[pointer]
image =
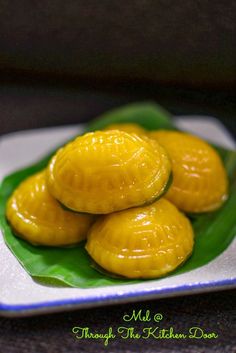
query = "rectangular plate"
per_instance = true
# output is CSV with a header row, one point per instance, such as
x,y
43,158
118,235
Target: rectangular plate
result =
x,y
21,295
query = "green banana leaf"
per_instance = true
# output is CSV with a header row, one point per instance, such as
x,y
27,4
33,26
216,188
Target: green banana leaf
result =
x,y
72,266
149,115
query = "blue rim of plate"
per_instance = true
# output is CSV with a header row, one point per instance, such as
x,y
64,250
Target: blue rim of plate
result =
x,y
37,308
116,298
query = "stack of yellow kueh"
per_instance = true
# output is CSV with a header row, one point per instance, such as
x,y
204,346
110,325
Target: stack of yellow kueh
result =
x,y
123,190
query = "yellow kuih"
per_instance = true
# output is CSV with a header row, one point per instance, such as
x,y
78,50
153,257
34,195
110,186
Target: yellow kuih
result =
x,y
143,242
106,171
127,127
199,178
38,218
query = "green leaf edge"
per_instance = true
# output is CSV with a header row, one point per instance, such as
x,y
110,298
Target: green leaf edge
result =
x,y
161,120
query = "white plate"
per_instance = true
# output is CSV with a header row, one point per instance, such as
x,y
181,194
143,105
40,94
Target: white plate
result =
x,y
21,295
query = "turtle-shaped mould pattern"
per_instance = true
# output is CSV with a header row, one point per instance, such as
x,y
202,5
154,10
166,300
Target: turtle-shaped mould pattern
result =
x,y
143,242
38,218
106,171
200,182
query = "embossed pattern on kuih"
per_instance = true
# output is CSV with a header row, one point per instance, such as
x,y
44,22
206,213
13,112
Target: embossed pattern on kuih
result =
x,y
72,266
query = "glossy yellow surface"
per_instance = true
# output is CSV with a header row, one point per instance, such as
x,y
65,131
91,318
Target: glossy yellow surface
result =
x,y
38,218
199,178
127,127
106,171
143,242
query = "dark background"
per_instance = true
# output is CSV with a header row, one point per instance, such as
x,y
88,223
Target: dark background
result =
x,y
189,43
65,62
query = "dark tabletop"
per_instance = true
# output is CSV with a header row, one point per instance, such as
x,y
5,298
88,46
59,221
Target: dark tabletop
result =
x,y
31,105
214,312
